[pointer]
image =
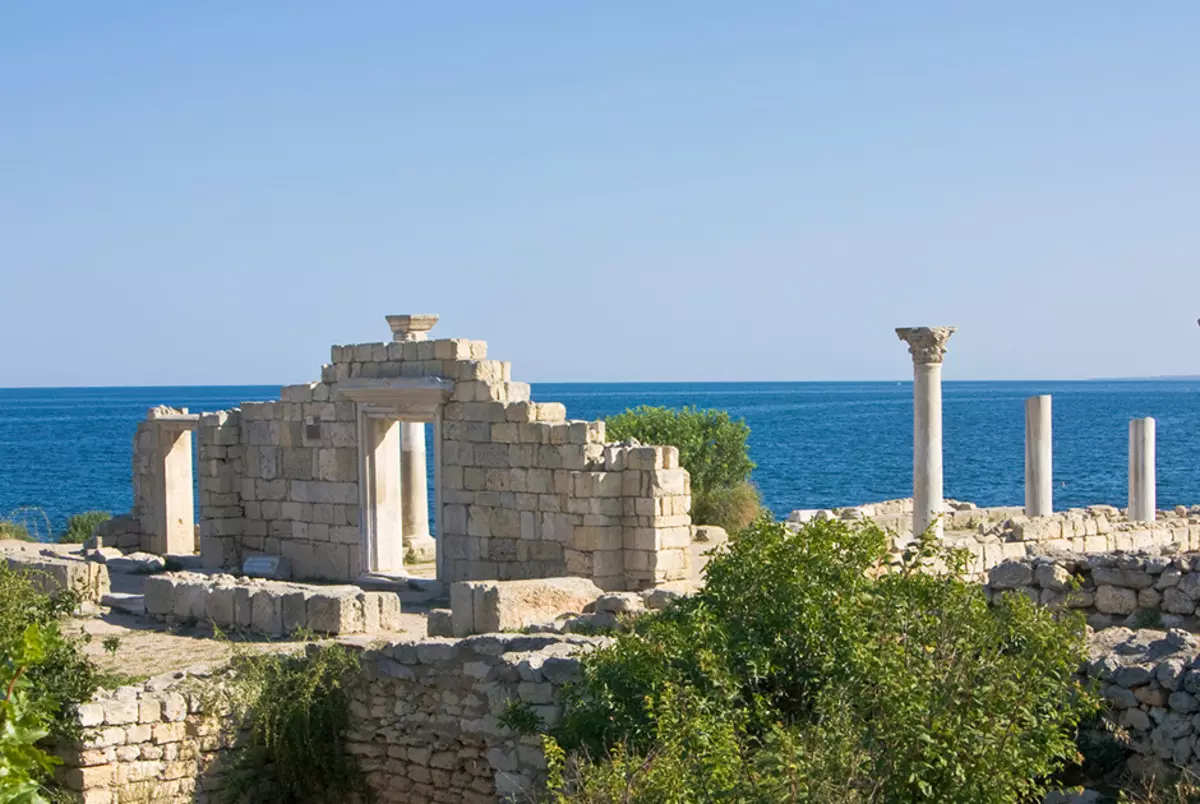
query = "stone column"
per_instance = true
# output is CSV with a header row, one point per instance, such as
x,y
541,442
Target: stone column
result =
x,y
414,491
1143,498
1039,455
413,474
927,346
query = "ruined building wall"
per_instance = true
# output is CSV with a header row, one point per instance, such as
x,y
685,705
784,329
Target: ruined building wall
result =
x,y
525,493
424,725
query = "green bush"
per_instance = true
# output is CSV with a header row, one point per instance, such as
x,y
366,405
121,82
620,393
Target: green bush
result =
x,y
730,507
299,714
80,527
712,446
43,675
14,530
805,672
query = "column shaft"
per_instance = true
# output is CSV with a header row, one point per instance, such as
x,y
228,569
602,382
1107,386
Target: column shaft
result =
x,y
927,447
414,481
1039,484
1143,500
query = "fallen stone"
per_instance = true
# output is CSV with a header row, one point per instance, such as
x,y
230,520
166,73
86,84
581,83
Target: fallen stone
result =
x,y
137,563
512,605
101,555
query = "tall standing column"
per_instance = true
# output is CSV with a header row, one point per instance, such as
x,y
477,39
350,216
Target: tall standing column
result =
x,y
413,482
1143,497
1039,454
413,474
928,347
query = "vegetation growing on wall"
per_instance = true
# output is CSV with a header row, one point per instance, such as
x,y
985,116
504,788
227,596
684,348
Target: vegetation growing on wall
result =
x,y
802,673
712,447
298,712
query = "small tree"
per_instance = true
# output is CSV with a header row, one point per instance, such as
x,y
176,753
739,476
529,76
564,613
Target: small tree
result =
x,y
712,448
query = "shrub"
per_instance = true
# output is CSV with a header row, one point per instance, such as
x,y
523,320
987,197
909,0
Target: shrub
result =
x,y
805,672
43,675
27,523
80,527
14,530
730,507
299,714
712,446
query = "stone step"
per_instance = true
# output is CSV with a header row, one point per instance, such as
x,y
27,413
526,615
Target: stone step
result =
x,y
121,601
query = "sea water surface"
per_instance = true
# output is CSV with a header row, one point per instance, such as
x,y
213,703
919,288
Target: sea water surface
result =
x,y
65,450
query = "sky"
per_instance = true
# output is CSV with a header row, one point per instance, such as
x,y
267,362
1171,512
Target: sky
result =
x,y
213,193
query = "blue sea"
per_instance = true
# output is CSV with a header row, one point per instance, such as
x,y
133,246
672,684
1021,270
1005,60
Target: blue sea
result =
x,y
65,450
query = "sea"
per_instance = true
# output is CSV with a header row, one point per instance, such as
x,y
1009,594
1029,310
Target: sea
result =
x,y
816,445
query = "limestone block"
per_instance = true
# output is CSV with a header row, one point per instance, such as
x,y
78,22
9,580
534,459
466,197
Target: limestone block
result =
x,y
1010,575
336,611
191,595
266,611
507,605
293,609
440,623
159,595
1115,600
219,605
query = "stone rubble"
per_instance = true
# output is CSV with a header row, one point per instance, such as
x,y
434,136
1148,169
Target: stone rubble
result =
x,y
271,608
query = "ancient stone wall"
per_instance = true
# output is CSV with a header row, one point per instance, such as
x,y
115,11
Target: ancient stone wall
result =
x,y
525,493
271,608
424,725
1128,589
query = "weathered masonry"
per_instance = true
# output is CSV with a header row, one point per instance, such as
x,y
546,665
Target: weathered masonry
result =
x,y
332,476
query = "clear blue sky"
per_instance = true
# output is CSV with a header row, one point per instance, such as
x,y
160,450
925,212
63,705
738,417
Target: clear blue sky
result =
x,y
197,193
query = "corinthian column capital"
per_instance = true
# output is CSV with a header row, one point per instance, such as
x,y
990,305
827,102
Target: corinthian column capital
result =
x,y
926,344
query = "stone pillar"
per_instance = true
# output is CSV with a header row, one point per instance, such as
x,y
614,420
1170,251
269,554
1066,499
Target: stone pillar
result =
x,y
171,525
413,474
1143,498
415,493
1039,456
384,497
927,346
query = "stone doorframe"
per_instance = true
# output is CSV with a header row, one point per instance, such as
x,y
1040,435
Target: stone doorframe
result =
x,y
172,518
382,405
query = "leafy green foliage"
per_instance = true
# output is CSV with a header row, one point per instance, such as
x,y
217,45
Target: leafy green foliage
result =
x,y
712,446
28,523
14,530
62,677
813,667
730,507
299,713
518,716
42,675
80,527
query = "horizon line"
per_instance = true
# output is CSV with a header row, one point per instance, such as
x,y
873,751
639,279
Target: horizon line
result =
x,y
1158,378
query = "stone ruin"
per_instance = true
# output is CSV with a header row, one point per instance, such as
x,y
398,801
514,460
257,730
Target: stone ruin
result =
x,y
332,477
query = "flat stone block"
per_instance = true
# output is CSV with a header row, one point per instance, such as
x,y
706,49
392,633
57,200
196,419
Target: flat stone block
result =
x,y
266,612
294,610
159,595
336,612
219,605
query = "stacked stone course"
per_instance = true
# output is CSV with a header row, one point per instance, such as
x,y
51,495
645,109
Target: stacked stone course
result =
x,y
271,608
1110,588
524,492
424,727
